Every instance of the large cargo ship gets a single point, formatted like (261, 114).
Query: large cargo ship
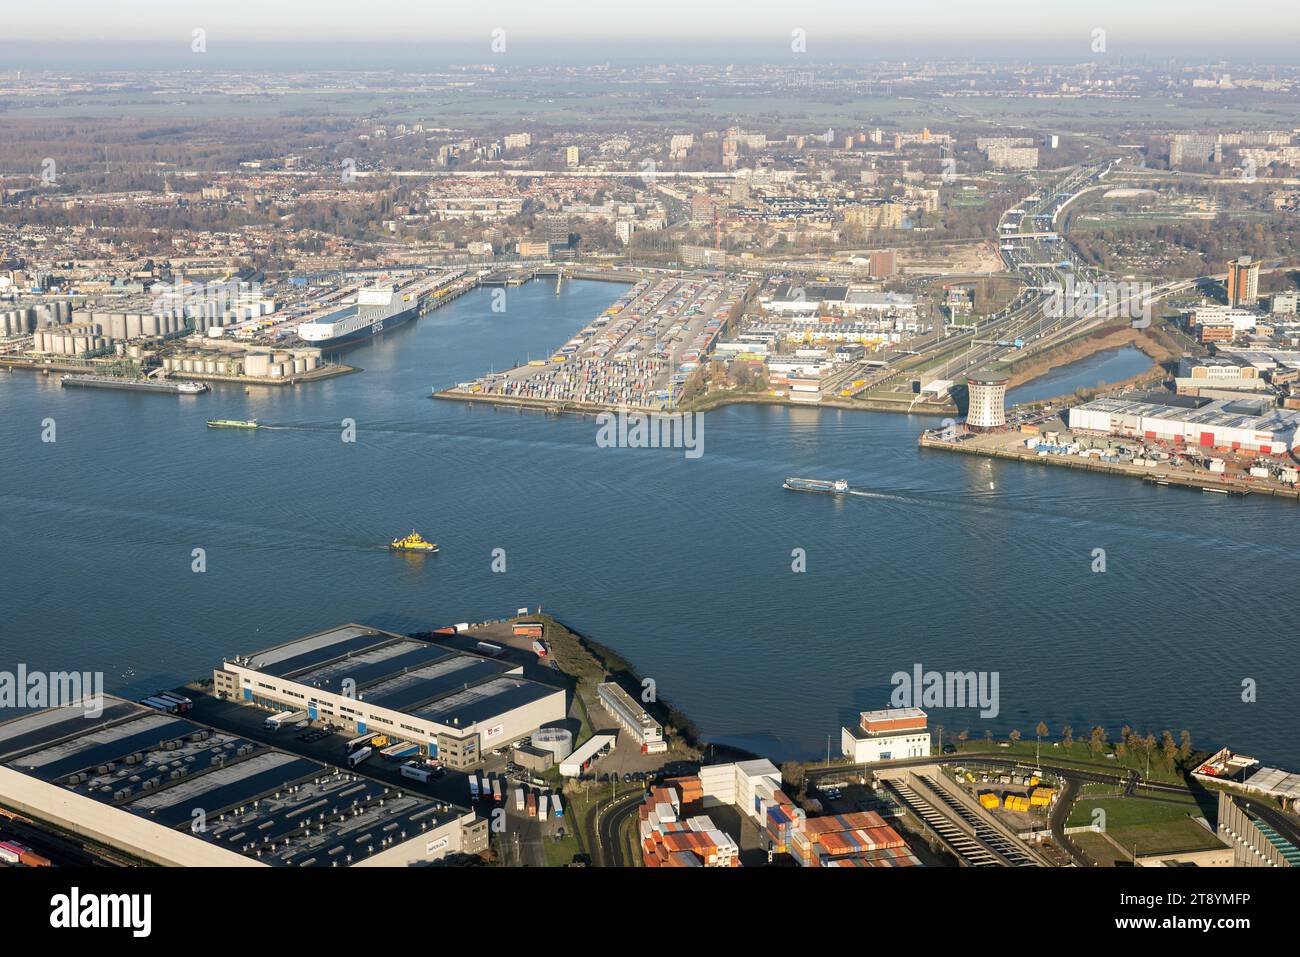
(375, 309)
(140, 385)
(815, 485)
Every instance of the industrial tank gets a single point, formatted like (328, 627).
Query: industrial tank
(557, 741)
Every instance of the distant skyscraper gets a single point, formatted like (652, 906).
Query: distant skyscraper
(1243, 281)
(571, 156)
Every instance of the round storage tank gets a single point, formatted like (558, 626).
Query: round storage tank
(558, 741)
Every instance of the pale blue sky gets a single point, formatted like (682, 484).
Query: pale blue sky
(411, 35)
(1155, 22)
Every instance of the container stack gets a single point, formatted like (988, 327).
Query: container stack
(781, 820)
(1042, 797)
(990, 800)
(669, 841)
(863, 835)
(1016, 802)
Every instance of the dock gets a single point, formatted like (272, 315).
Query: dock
(1150, 475)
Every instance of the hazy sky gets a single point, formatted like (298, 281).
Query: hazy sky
(865, 29)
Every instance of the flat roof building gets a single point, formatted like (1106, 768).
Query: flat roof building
(594, 747)
(885, 735)
(451, 703)
(1223, 423)
(629, 714)
(178, 794)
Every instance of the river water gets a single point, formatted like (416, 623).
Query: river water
(684, 565)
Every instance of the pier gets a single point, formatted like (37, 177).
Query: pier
(1152, 475)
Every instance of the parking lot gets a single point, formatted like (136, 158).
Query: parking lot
(638, 352)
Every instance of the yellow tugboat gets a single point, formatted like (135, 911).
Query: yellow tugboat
(413, 543)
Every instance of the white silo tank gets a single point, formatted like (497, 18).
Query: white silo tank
(557, 741)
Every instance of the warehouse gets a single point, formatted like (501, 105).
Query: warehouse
(648, 732)
(1247, 424)
(178, 794)
(453, 704)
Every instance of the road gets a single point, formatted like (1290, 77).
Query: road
(601, 830)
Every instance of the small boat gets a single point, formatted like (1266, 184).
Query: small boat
(233, 424)
(412, 543)
(815, 485)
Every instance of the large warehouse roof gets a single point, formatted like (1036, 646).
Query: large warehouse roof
(264, 804)
(409, 675)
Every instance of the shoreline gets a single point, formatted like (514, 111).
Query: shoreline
(316, 375)
(1159, 475)
(553, 407)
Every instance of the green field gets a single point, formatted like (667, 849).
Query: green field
(1149, 825)
(1079, 755)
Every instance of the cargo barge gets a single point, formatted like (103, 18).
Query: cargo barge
(138, 385)
(815, 485)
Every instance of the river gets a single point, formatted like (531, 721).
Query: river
(684, 565)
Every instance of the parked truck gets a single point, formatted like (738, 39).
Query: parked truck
(414, 771)
(519, 800)
(281, 718)
(356, 757)
(358, 742)
(183, 704)
(400, 751)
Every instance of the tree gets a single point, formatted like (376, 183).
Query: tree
(1067, 737)
(1014, 736)
(1097, 740)
(1168, 749)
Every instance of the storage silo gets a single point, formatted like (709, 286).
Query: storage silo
(556, 741)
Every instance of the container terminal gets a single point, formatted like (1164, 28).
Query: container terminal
(638, 353)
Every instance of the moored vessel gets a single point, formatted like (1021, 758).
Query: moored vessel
(376, 308)
(138, 385)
